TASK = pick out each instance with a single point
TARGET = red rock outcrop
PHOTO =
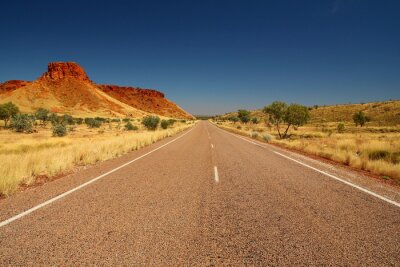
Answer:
(148, 100)
(132, 90)
(65, 87)
(12, 85)
(61, 70)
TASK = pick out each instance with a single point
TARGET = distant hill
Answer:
(386, 113)
(65, 88)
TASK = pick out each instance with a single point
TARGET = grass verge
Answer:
(23, 162)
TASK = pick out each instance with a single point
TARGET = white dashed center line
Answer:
(216, 177)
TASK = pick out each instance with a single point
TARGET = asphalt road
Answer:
(206, 198)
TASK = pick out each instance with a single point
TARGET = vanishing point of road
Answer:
(204, 197)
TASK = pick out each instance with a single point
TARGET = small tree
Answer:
(7, 111)
(151, 122)
(164, 124)
(42, 115)
(295, 115)
(255, 120)
(59, 130)
(244, 115)
(21, 123)
(360, 118)
(276, 112)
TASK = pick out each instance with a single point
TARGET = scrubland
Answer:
(25, 157)
(371, 148)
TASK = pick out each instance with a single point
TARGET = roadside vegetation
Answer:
(44, 144)
(359, 140)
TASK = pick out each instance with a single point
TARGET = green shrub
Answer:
(239, 127)
(92, 123)
(151, 122)
(340, 128)
(164, 124)
(267, 137)
(171, 121)
(126, 119)
(53, 118)
(130, 127)
(254, 135)
(79, 121)
(22, 123)
(115, 120)
(67, 120)
(59, 130)
(100, 119)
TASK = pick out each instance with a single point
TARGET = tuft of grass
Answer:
(378, 154)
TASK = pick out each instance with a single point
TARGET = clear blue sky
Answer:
(214, 56)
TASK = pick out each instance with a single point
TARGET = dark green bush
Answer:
(79, 121)
(59, 130)
(164, 124)
(22, 123)
(130, 127)
(171, 121)
(67, 120)
(53, 118)
(100, 119)
(92, 123)
(151, 122)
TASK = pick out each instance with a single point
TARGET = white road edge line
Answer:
(341, 180)
(216, 177)
(322, 172)
(16, 217)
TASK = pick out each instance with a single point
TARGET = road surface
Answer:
(205, 197)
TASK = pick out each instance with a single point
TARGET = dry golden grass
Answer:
(24, 157)
(372, 149)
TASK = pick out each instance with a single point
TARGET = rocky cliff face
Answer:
(12, 85)
(61, 70)
(133, 90)
(145, 99)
